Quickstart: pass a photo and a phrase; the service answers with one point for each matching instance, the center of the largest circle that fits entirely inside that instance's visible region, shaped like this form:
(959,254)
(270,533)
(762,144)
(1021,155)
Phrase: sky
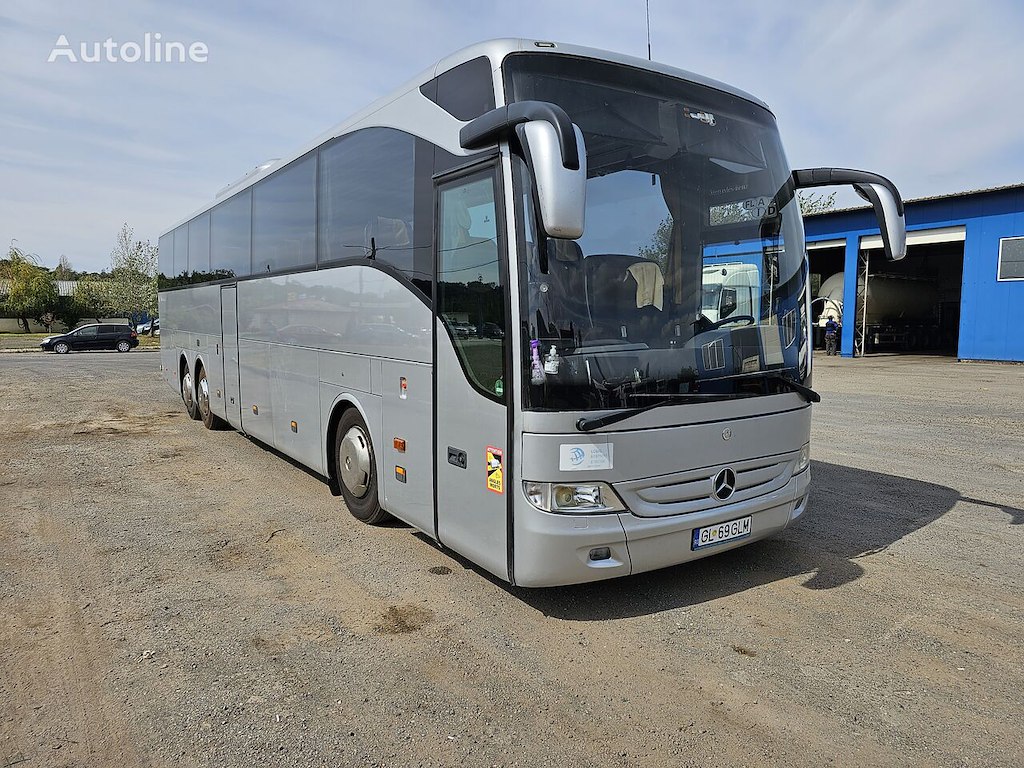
(927,92)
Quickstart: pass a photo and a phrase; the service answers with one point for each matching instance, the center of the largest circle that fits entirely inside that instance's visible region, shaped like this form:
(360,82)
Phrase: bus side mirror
(877,190)
(561,192)
(889,212)
(553,148)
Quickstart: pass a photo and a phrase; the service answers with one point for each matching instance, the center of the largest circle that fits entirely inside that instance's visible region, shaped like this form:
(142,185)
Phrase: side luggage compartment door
(230,405)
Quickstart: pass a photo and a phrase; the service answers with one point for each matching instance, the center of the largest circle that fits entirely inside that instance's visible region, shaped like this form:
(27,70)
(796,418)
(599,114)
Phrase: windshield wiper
(586,425)
(809,394)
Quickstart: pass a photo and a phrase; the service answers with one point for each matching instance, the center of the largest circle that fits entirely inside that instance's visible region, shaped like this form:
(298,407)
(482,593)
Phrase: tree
(63,270)
(30,290)
(132,286)
(93,298)
(814,202)
(658,249)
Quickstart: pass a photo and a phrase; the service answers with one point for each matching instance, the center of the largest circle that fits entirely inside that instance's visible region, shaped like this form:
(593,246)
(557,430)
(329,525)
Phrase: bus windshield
(690,276)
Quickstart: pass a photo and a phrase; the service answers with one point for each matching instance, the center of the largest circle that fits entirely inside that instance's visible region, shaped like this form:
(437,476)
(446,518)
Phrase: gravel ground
(176,597)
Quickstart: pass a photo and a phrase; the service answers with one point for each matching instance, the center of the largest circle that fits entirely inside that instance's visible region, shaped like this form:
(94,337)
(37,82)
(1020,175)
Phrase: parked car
(490,331)
(150,326)
(463,330)
(96,336)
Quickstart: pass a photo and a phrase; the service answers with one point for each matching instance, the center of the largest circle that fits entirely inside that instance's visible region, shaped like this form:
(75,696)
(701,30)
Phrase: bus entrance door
(471,412)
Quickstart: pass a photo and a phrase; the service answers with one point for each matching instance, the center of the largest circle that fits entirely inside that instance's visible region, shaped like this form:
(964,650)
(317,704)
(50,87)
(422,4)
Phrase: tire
(207,416)
(188,395)
(357,469)
(61,347)
(124,346)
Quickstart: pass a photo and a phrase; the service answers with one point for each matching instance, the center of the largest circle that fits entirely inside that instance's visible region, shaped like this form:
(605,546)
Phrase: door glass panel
(469,281)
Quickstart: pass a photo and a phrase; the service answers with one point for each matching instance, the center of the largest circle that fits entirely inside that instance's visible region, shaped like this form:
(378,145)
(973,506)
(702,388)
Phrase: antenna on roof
(648,2)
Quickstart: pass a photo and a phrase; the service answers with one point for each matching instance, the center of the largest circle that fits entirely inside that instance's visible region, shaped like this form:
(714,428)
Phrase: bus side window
(367,199)
(469,281)
(728,302)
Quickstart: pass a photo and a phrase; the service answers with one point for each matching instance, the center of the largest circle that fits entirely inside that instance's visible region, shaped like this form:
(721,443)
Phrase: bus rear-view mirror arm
(553,149)
(877,190)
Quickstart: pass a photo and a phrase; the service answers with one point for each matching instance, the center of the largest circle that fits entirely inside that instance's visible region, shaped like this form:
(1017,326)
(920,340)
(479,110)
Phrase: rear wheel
(188,395)
(124,346)
(209,418)
(61,347)
(356,467)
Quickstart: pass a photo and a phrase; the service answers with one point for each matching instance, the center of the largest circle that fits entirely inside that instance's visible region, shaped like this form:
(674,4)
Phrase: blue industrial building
(959,291)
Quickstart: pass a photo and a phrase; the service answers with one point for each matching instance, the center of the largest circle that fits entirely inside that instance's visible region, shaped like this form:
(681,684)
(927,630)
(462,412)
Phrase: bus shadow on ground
(853,514)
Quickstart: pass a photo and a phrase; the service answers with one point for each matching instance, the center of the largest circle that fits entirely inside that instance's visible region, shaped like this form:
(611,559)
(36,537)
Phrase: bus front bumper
(552,550)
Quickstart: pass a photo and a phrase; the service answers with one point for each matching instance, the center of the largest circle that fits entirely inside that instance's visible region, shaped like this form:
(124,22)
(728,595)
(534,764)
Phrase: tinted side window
(87,332)
(180,265)
(199,248)
(464,92)
(284,218)
(368,201)
(230,236)
(469,280)
(165,259)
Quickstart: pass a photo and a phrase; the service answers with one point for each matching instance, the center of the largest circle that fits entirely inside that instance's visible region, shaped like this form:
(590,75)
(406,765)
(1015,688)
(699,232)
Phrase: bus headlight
(805,459)
(573,498)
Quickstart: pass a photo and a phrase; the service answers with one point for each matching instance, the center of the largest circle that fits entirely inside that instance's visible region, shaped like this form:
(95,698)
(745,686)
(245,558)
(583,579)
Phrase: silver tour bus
(546,304)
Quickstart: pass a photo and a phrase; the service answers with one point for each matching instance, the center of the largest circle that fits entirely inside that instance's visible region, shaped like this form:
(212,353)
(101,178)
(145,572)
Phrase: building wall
(991,311)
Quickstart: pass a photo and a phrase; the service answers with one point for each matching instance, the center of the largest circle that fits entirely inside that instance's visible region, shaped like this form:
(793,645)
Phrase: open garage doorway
(912,305)
(826,268)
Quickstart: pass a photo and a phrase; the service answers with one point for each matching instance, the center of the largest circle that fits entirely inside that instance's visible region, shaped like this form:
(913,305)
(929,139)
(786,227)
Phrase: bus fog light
(805,459)
(600,553)
(573,498)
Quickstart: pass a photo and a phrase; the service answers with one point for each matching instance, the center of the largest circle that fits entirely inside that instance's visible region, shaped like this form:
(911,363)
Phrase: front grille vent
(693,491)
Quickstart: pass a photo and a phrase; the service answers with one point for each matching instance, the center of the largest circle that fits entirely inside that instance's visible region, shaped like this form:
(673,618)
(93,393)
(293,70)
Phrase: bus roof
(496,51)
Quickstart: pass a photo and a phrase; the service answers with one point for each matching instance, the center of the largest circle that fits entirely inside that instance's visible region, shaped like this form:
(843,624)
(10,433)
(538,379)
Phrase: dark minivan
(123,338)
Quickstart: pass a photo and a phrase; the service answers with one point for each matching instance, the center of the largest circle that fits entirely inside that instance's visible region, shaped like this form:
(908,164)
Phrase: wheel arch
(196,366)
(344,402)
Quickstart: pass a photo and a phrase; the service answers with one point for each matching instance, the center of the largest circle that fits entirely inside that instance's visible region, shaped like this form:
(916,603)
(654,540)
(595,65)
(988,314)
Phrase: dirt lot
(174,597)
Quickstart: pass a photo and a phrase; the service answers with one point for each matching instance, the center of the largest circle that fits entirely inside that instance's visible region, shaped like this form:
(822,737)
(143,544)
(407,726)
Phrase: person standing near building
(832,336)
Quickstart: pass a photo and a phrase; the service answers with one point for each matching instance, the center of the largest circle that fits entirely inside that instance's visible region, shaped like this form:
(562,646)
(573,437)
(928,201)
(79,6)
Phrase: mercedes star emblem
(725,484)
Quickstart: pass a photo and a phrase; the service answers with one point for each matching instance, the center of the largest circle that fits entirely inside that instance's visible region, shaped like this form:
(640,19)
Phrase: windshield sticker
(495,477)
(752,209)
(704,117)
(580,457)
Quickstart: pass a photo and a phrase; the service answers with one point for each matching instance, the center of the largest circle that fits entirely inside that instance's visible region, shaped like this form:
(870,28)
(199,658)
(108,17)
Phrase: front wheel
(188,395)
(124,346)
(357,472)
(209,418)
(61,347)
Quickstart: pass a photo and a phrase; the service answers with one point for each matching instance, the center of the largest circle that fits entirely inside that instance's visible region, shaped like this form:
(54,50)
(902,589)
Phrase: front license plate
(710,535)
